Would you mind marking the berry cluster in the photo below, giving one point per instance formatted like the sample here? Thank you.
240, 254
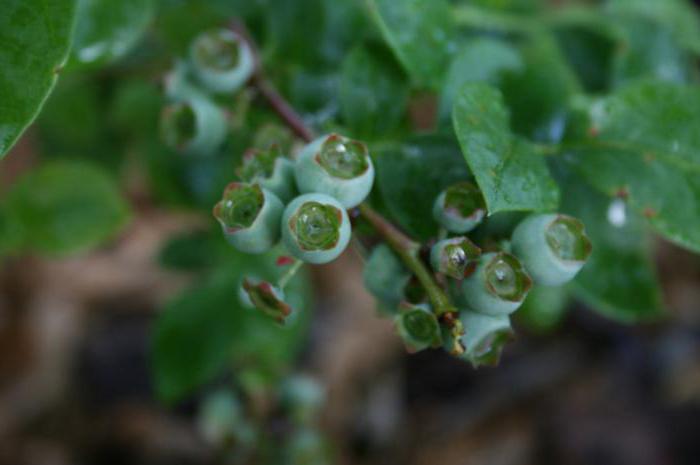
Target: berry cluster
302, 201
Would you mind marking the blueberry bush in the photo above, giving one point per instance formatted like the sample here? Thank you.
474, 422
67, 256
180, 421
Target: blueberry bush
481, 156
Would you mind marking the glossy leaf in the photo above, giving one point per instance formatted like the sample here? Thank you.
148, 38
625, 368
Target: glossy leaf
480, 60
106, 30
410, 176
64, 207
421, 34
510, 173
373, 92
207, 327
35, 38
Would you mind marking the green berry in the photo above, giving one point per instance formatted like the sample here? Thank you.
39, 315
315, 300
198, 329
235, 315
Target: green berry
316, 228
179, 84
418, 327
265, 297
497, 287
194, 126
271, 170
221, 60
459, 208
455, 257
221, 420
484, 338
336, 166
249, 216
302, 397
552, 247
386, 278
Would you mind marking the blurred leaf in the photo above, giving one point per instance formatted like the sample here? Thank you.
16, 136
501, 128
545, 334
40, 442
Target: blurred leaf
649, 51
544, 308
373, 92
194, 251
106, 30
511, 5
480, 60
588, 47
619, 280
538, 95
421, 34
206, 327
653, 119
679, 17
410, 176
35, 38
510, 173
666, 196
296, 30
10, 232
65, 207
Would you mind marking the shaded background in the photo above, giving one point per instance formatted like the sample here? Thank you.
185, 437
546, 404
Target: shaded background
76, 384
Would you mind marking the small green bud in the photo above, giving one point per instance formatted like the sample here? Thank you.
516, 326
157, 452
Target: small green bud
194, 126
221, 421
418, 327
336, 166
249, 216
552, 247
271, 170
484, 337
265, 297
316, 228
459, 208
386, 278
221, 60
455, 257
497, 287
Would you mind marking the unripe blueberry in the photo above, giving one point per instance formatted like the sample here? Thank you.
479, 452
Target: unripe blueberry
179, 84
552, 247
418, 327
459, 208
315, 228
484, 337
271, 170
193, 126
497, 287
265, 297
221, 420
221, 60
250, 217
302, 397
455, 257
386, 278
336, 166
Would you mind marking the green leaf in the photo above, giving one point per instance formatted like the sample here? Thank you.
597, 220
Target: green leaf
421, 34
512, 175
480, 60
538, 95
649, 51
678, 16
619, 280
35, 38
206, 328
544, 308
373, 92
106, 30
652, 119
666, 196
65, 207
412, 175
